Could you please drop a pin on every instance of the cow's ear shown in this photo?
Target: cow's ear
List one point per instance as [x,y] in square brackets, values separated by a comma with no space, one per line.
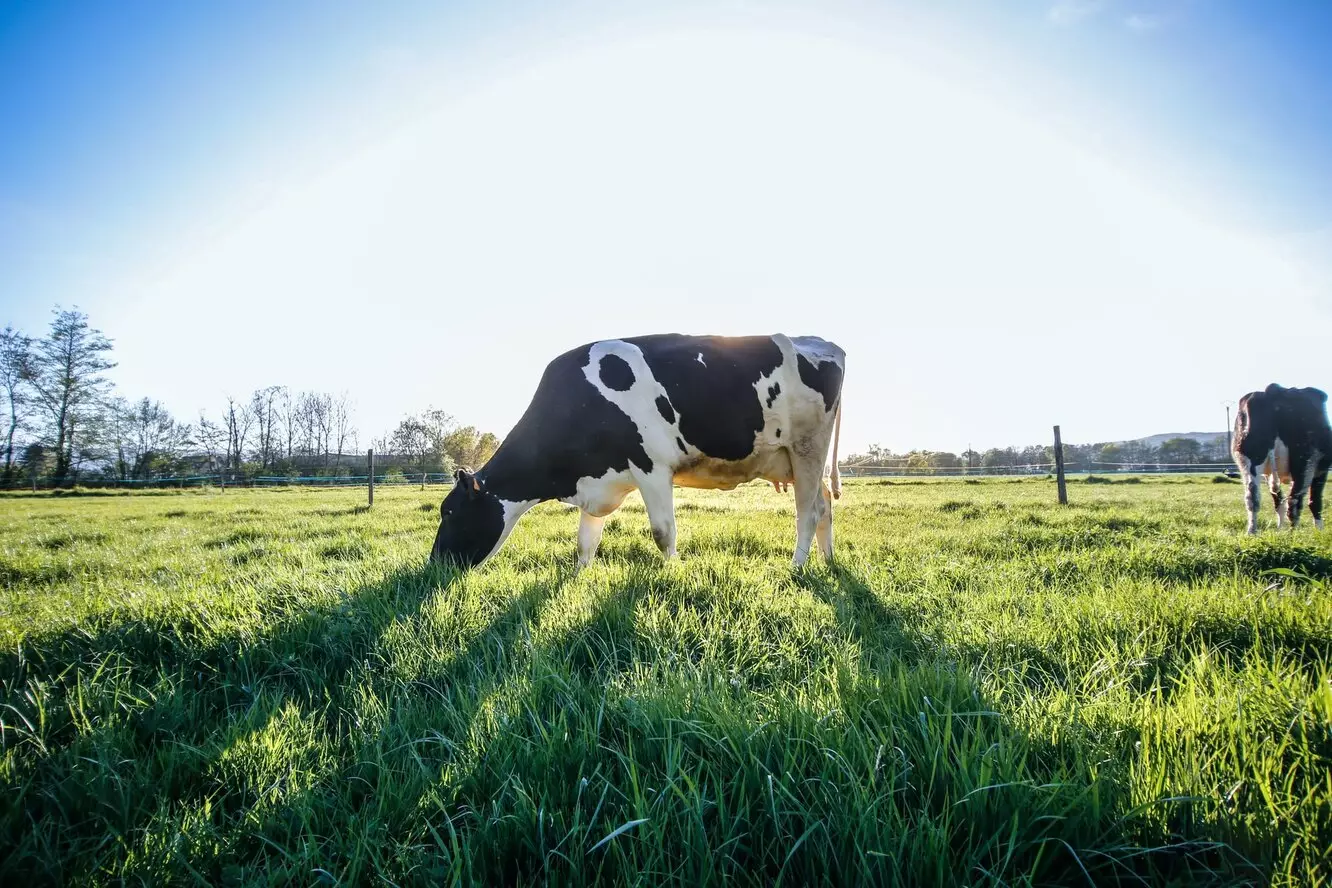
[467,481]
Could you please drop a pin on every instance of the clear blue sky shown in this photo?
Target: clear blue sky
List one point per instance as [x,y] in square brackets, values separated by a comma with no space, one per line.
[421,203]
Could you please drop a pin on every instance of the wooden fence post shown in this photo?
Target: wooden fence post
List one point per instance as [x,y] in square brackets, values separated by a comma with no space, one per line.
[370,455]
[1059,468]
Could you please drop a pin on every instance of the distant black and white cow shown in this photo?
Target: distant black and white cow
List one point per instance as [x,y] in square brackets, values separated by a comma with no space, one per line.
[1283,433]
[652,413]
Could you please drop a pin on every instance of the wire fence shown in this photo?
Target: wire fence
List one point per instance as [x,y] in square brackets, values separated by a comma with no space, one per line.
[223,480]
[1094,467]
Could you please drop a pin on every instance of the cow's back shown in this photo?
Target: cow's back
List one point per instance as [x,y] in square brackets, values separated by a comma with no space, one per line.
[710,383]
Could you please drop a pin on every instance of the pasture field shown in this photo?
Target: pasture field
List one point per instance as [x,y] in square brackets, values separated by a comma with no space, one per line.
[270,687]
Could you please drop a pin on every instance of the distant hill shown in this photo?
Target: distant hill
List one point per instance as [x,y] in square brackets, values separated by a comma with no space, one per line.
[1207,439]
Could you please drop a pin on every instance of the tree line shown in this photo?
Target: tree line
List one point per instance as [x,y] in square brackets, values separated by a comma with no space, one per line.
[1179,452]
[64,423]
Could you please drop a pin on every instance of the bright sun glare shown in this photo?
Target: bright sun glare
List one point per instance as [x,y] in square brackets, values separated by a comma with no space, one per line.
[726,183]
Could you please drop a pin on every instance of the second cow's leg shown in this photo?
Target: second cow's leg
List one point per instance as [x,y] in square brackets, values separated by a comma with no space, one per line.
[1252,490]
[1301,478]
[1316,497]
[1274,487]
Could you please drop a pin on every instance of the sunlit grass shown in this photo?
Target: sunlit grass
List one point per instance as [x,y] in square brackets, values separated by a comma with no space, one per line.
[272,687]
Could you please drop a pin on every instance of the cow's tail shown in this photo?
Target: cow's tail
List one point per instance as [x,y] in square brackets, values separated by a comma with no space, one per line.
[836,479]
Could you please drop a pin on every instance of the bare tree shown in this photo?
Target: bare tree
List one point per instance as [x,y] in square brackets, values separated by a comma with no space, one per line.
[319,407]
[156,438]
[16,371]
[239,421]
[116,430]
[212,438]
[310,419]
[68,381]
[288,413]
[263,409]
[343,430]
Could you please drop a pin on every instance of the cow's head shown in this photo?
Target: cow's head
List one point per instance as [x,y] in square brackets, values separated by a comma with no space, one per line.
[471,522]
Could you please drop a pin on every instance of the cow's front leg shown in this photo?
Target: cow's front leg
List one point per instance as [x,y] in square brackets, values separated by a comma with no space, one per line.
[589,536]
[658,492]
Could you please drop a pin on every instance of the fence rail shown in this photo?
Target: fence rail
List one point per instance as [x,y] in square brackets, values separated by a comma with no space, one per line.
[237,480]
[1097,468]
[400,479]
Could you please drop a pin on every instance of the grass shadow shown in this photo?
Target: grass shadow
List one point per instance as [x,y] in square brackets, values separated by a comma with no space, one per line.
[1073,817]
[133,715]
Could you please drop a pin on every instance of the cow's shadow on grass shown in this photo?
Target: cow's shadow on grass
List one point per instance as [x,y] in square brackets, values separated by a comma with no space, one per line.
[545,725]
[1071,801]
[132,720]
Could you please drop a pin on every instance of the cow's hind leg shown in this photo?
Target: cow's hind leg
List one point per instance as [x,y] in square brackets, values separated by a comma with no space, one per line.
[1301,479]
[658,492]
[589,536]
[823,531]
[811,506]
[1252,490]
[1274,487]
[1316,497]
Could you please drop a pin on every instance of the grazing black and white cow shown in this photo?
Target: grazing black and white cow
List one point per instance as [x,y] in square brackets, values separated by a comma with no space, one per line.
[652,413]
[1283,433]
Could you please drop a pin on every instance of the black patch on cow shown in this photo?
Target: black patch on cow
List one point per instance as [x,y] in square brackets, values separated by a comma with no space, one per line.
[680,441]
[616,373]
[719,411]
[779,433]
[826,379]
[773,391]
[664,408]
[569,431]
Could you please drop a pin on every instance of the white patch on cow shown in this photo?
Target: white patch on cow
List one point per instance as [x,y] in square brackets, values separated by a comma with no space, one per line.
[601,496]
[512,512]
[1279,458]
[700,359]
[638,402]
[776,413]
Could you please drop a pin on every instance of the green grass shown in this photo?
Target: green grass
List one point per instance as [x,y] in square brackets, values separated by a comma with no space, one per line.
[271,687]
